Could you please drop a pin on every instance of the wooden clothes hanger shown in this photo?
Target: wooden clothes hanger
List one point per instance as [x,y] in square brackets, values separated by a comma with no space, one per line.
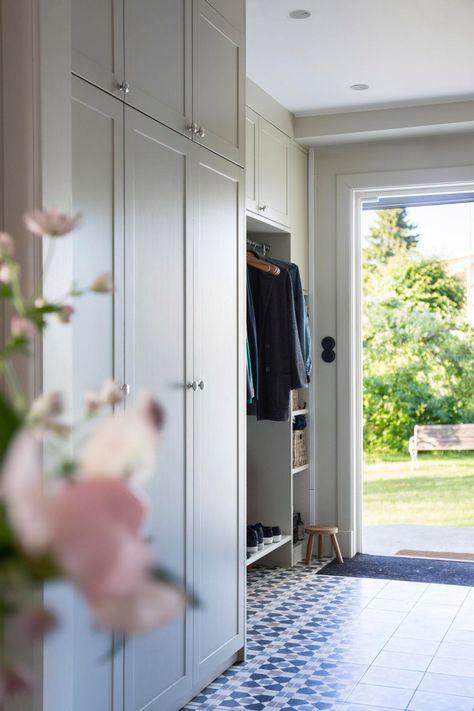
[257,263]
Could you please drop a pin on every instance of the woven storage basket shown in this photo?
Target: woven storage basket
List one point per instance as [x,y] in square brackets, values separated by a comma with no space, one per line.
[295,403]
[300,455]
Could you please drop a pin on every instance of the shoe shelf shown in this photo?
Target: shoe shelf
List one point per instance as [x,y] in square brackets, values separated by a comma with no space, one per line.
[305,411]
[268,549]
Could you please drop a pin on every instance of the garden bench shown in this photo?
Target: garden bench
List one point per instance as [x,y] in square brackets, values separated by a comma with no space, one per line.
[440,438]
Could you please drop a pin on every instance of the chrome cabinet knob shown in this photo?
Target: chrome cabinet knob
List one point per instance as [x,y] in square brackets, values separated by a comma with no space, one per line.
[125,389]
[192,128]
[124,87]
[201,385]
[192,386]
[262,207]
[201,131]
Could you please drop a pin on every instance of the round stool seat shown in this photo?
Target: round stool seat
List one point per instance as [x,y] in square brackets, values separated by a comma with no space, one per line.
[322,529]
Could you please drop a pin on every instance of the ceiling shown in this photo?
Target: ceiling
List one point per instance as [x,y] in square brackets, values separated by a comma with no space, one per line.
[408,51]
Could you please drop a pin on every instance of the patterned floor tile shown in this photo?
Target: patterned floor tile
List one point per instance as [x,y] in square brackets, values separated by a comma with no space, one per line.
[343,644]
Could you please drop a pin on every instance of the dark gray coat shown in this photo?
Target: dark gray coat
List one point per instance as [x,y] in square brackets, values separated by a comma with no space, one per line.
[280,362]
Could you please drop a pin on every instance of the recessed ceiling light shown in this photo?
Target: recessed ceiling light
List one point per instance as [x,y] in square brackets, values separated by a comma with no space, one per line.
[300,14]
[359,87]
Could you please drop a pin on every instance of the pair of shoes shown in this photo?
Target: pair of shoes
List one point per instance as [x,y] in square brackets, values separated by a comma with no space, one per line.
[259,536]
[271,534]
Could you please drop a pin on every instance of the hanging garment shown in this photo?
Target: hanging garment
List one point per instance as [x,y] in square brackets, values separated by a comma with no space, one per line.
[250,388]
[252,338]
[301,312]
[280,363]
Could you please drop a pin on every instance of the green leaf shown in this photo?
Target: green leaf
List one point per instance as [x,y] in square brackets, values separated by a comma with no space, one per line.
[9,424]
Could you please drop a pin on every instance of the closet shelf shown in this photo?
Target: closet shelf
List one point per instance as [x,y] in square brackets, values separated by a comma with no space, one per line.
[300,412]
[297,470]
[268,549]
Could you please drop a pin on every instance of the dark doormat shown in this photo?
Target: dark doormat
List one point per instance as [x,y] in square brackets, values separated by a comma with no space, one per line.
[393,568]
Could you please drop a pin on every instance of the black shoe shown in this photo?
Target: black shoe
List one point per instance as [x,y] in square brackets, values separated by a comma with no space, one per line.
[276,534]
[252,540]
[259,531]
[267,535]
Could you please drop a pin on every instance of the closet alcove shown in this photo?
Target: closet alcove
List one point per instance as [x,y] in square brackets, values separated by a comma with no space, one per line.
[275,488]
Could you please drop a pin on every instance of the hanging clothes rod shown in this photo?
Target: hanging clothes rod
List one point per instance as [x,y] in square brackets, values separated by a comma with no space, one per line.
[258,246]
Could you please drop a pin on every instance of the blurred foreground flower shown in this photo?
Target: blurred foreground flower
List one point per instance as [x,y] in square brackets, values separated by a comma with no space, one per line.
[83,518]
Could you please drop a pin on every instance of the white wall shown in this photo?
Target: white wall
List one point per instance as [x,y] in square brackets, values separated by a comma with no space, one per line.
[408,154]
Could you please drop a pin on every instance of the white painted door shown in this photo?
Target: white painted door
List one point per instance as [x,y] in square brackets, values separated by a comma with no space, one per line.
[274,173]
[158,60]
[97,42]
[218,83]
[75,678]
[219,408]
[158,356]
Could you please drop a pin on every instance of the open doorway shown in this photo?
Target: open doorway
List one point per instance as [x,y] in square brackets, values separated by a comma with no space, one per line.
[417,303]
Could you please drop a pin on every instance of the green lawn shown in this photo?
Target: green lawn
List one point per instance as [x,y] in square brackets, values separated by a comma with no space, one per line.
[439,492]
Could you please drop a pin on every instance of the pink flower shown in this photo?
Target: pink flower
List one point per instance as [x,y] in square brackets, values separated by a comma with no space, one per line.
[102,284]
[91,402]
[95,538]
[37,622]
[45,407]
[122,446]
[5,273]
[26,496]
[110,393]
[14,680]
[22,327]
[6,245]
[150,605]
[65,313]
[52,222]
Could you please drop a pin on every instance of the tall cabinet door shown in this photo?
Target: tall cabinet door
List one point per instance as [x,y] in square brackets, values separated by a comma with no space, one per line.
[219,82]
[96,246]
[158,325]
[219,408]
[158,59]
[97,42]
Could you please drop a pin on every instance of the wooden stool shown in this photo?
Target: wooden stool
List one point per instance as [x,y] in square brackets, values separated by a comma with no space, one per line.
[321,531]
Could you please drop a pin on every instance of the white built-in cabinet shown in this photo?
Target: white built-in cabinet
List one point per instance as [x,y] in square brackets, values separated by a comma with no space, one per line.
[175,326]
[180,62]
[268,170]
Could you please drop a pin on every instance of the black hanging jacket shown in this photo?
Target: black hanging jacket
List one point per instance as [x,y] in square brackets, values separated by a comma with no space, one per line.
[280,362]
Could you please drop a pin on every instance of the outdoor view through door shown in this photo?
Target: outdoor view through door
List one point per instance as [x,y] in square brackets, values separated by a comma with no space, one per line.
[418,375]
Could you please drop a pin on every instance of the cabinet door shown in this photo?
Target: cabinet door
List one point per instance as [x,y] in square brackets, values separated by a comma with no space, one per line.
[158,324]
[219,81]
[97,42]
[158,59]
[232,10]
[219,562]
[299,210]
[97,355]
[274,173]
[251,160]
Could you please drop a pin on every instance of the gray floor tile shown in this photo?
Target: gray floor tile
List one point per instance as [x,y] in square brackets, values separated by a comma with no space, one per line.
[401,678]
[384,696]
[426,701]
[410,645]
[402,660]
[448,684]
[454,667]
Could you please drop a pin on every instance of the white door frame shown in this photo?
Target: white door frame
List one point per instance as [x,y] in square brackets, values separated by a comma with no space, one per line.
[351,191]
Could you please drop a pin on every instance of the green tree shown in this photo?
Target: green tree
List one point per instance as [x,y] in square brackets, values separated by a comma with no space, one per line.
[392,233]
[418,349]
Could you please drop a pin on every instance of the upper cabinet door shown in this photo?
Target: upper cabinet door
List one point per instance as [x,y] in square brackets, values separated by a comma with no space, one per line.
[97,42]
[158,60]
[232,10]
[219,80]
[251,160]
[274,174]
